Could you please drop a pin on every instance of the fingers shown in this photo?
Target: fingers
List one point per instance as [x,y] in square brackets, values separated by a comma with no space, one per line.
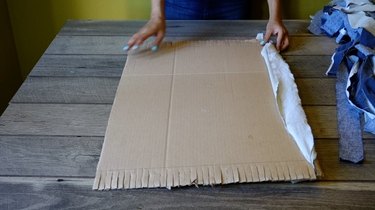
[282,42]
[268,35]
[155,27]
[158,39]
[279,41]
[282,39]
[137,40]
[281,33]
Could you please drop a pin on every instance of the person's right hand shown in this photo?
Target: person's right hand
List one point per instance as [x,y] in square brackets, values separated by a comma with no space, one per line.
[154,27]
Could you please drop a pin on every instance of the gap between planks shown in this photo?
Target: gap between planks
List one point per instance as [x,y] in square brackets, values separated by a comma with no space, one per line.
[87,182]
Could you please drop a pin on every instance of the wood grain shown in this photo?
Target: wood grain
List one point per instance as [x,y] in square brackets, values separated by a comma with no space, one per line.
[336,170]
[71,156]
[323,121]
[109,45]
[46,193]
[55,119]
[89,90]
[79,65]
[308,66]
[91,120]
[112,65]
[190,28]
[49,156]
[102,90]
[315,91]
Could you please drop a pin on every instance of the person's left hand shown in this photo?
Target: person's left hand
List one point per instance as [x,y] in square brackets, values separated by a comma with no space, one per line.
[278,29]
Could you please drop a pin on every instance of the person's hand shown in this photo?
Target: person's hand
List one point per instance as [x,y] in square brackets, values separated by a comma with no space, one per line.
[154,27]
[278,29]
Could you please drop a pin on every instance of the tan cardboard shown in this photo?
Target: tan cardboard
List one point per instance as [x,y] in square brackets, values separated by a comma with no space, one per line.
[199,112]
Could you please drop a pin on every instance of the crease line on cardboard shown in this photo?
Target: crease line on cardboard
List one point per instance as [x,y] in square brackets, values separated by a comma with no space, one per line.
[189,74]
[170,109]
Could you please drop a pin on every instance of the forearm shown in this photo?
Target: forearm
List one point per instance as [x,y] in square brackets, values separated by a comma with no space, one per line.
[275,25]
[275,10]
[157,9]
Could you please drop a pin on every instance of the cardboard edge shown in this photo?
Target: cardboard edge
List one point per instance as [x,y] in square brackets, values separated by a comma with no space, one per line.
[204,175]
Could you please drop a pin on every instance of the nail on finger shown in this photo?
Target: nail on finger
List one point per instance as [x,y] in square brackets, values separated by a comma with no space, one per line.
[135,47]
[126,48]
[154,48]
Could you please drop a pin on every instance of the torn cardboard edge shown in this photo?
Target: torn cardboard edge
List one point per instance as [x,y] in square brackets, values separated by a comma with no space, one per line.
[203,175]
[294,170]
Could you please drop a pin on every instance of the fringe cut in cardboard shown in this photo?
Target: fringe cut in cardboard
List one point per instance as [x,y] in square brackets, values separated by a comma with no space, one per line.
[205,113]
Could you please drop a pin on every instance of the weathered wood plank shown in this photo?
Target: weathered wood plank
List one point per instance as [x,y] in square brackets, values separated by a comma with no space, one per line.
[49,156]
[112,65]
[334,169]
[89,90]
[323,121]
[80,65]
[192,28]
[91,120]
[308,66]
[102,90]
[55,119]
[66,156]
[311,46]
[113,44]
[317,91]
[34,193]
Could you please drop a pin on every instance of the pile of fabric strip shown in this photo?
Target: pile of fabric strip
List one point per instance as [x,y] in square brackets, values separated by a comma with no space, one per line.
[352,22]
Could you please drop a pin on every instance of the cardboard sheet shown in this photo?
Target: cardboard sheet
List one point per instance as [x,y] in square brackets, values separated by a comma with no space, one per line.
[198,113]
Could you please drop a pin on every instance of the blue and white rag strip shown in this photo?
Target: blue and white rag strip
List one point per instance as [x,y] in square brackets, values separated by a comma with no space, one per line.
[352,22]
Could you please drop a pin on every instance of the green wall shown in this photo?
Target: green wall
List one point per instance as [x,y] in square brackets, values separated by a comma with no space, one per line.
[302,9]
[35,23]
[10,77]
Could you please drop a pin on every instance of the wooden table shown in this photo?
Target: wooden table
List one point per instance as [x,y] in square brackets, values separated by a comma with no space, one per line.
[52,132]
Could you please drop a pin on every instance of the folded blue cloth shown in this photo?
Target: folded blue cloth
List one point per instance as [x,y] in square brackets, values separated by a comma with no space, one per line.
[355,87]
[362,88]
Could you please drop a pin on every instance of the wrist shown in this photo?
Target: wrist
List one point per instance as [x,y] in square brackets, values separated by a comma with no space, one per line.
[275,21]
[157,16]
[275,18]
[157,10]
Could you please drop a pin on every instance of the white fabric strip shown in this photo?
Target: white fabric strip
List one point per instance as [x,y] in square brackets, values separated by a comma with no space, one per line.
[289,103]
